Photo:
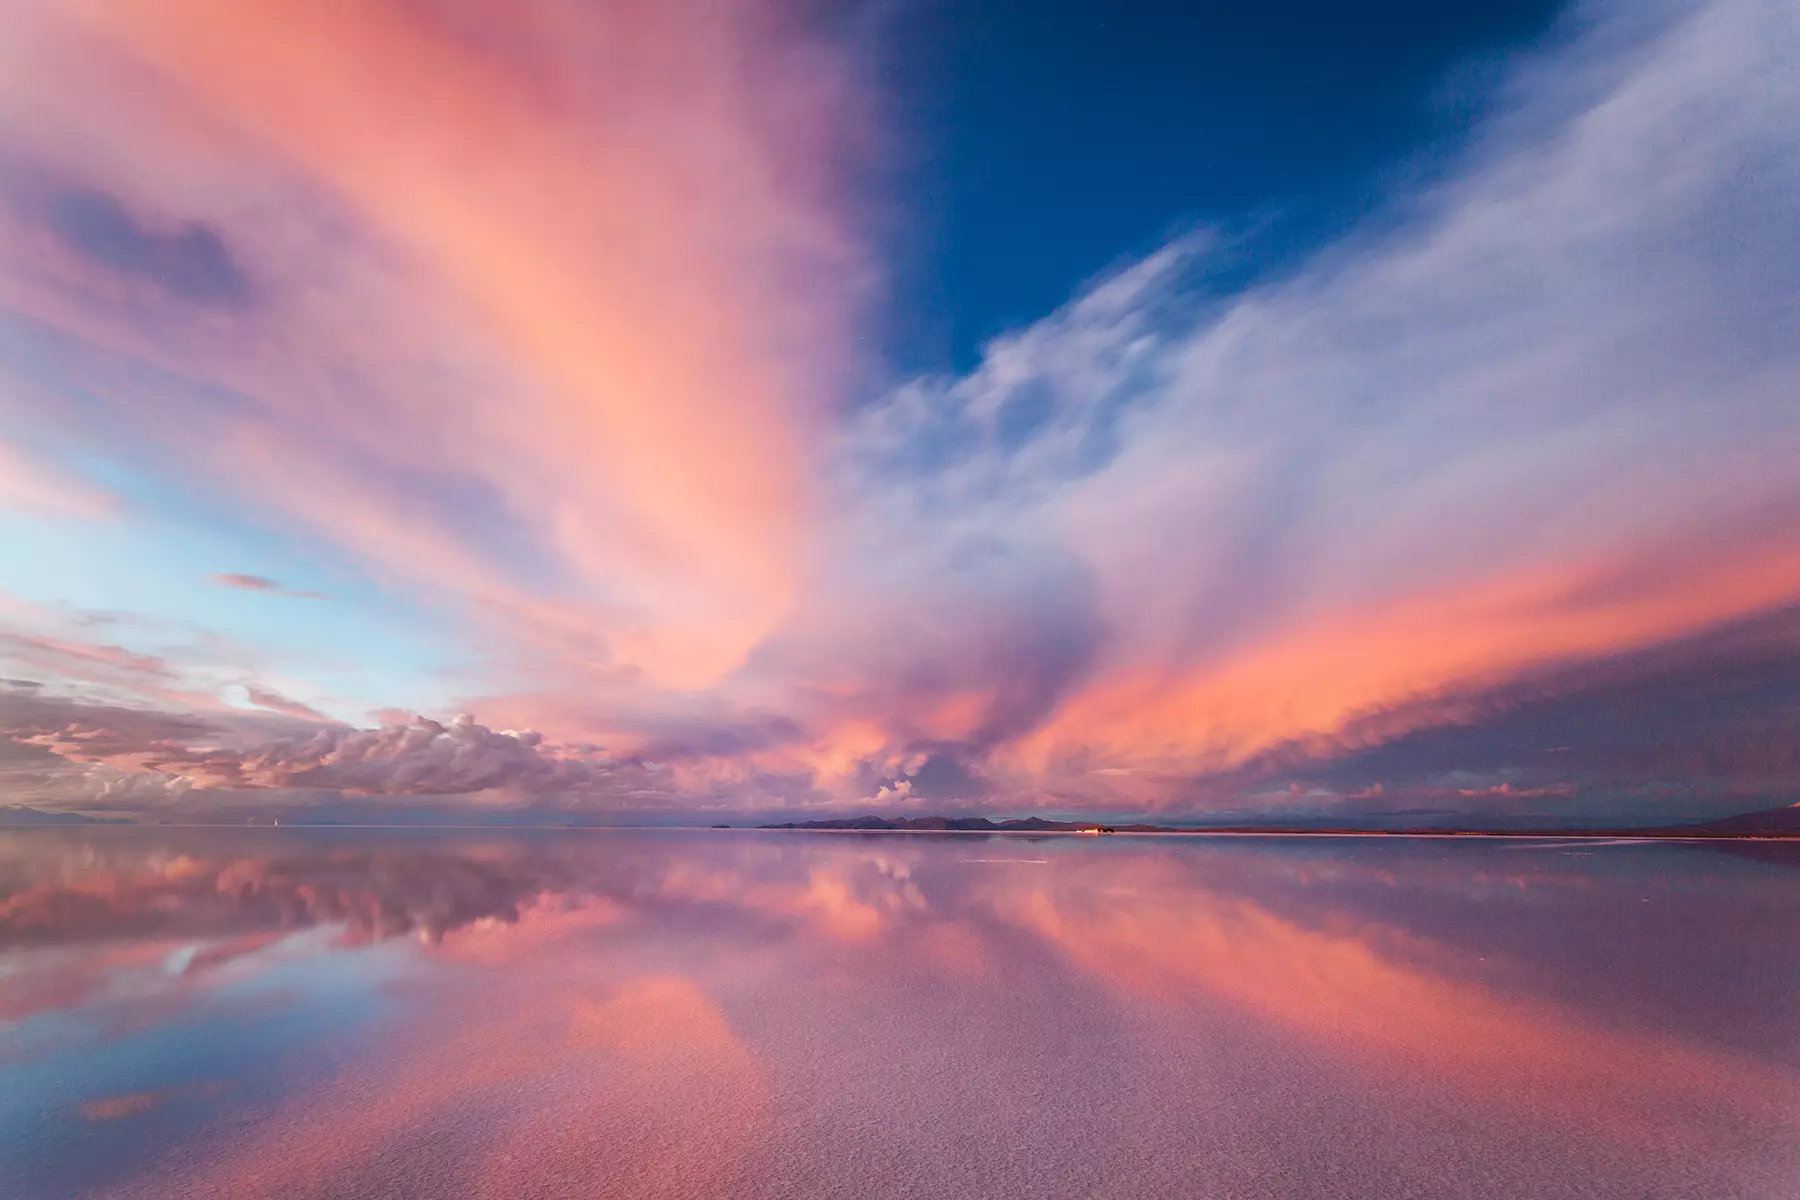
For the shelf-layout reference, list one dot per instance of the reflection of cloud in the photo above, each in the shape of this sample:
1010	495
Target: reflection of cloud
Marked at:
60	892
830	897
1364	992
135	981
681	1114
129	1104
111	1108
851	897
374	893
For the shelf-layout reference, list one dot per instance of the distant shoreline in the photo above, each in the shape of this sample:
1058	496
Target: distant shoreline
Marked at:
1782	824
1610	835
1764	825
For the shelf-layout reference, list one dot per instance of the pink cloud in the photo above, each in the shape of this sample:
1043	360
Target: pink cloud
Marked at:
627	326
274	701
261	583
93	662
423	758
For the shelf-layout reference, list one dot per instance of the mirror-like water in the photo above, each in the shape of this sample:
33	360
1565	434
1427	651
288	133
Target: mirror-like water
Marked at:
737	1014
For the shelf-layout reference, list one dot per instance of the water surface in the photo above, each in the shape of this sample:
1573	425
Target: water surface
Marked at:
322	1013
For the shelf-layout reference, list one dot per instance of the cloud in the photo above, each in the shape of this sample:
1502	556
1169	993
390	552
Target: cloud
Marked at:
424	758
899	792
274	701
181	676
92	662
261	583
578	389
289	749
190	263
249	583
75	754
29	483
1710	722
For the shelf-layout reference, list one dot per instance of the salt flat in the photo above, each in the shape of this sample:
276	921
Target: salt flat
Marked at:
292	1013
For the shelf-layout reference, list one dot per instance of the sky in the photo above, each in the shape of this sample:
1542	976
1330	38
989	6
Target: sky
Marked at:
634	410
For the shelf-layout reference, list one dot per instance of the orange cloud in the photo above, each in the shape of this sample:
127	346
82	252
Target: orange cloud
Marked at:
1312	678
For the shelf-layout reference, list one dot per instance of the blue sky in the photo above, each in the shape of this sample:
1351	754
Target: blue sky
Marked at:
1053	142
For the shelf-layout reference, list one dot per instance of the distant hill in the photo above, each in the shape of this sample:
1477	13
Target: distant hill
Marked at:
18	814
970	825
1767	822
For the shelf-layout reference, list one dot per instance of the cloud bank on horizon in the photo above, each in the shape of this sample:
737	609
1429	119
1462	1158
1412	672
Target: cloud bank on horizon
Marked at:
360	361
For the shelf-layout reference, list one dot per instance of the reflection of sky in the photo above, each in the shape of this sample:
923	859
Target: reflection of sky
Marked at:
692	1014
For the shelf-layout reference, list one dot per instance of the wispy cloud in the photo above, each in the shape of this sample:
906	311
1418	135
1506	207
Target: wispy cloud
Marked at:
578	388
274	701
30	483
261	583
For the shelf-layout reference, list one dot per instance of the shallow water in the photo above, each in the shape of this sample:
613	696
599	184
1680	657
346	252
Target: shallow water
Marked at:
292	1012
